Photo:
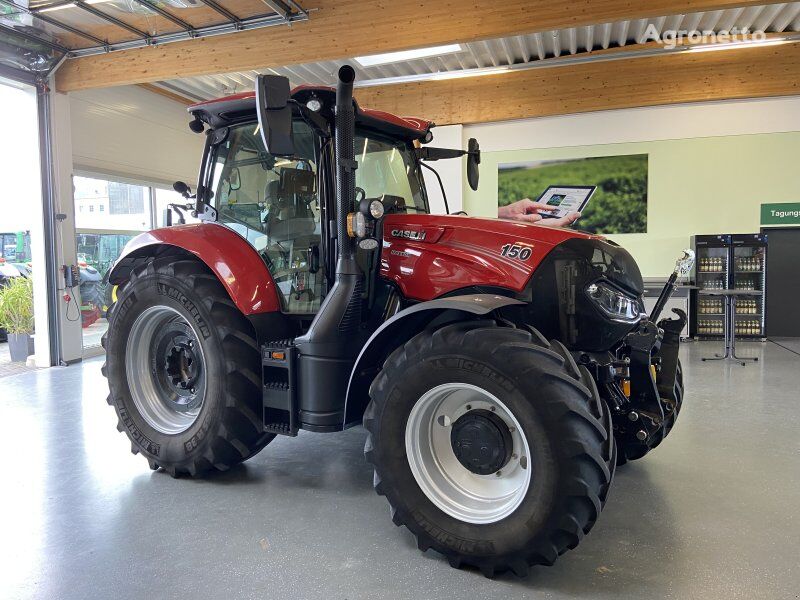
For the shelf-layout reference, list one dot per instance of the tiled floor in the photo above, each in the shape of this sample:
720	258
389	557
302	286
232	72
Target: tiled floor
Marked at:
10	368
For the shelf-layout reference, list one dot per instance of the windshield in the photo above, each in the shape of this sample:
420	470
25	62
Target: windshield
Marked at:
387	169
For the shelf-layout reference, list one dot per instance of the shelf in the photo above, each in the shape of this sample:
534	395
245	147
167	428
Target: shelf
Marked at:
710	314
712	272
759	272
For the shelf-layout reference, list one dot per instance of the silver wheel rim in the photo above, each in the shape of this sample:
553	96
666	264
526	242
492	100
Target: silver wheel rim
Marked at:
447	483
156	371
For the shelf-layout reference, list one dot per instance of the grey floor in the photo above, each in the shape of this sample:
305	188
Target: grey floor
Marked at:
712	513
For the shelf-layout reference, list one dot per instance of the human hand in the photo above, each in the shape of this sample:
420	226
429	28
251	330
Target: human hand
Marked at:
529	211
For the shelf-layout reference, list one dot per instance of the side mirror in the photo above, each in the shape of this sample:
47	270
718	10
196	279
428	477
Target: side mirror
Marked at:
182	188
275	114
234	179
473	160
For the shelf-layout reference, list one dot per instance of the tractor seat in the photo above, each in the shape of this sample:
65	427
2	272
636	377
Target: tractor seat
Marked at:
291	228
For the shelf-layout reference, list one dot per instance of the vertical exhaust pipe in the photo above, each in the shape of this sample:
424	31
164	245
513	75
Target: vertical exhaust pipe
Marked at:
344	143
340	313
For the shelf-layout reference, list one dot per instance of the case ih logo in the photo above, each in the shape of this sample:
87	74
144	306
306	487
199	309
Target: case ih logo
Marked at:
409	234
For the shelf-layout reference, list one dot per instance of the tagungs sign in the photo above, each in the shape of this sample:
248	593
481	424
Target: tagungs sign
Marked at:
786	213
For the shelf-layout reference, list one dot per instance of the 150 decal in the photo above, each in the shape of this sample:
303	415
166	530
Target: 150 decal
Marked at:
516	251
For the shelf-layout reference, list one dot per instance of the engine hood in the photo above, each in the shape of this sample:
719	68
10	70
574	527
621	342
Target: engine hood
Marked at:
428	256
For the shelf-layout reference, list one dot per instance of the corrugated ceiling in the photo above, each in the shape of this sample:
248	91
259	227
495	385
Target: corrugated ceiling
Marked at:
517	50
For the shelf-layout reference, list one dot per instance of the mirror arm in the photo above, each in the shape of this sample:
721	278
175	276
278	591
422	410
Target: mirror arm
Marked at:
428	153
314	120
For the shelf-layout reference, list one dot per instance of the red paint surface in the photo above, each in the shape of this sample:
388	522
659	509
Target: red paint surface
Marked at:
235	262
460	251
414	123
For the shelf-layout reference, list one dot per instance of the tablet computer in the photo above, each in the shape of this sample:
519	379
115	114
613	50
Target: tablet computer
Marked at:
567	199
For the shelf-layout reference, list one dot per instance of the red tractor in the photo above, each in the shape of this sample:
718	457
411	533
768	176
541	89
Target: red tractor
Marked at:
502	370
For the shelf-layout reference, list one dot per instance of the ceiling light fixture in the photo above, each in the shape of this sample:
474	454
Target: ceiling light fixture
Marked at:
738	44
57	7
393	57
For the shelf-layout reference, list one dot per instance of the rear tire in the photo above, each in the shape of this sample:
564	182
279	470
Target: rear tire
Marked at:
563	421
174	325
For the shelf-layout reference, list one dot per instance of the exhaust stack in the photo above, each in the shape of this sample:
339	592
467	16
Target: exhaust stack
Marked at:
340	313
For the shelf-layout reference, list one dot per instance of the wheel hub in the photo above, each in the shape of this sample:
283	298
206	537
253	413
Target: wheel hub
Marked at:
178	366
165	368
181	365
468	453
481	442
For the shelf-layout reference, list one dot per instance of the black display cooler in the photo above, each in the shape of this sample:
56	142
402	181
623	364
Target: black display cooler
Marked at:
729	262
749	272
711	273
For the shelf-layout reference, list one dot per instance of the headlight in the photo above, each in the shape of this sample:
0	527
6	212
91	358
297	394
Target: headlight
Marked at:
614	303
356	225
368	243
376	209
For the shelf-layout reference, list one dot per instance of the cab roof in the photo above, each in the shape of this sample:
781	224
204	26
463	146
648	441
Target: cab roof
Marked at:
242	107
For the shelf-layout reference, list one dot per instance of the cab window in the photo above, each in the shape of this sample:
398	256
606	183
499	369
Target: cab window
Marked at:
273	203
387	169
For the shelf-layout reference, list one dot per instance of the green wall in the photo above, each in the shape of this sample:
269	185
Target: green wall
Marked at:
695	186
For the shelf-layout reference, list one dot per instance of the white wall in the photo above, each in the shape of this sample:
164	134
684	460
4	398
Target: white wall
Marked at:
135	133
682	121
711	165
61	140
451	171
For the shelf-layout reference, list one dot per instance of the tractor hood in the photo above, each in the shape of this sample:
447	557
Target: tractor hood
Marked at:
428	256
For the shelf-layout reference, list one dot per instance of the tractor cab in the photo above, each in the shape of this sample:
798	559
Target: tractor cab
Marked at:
283	204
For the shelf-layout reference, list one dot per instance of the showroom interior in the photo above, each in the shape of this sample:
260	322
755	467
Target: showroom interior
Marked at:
320	262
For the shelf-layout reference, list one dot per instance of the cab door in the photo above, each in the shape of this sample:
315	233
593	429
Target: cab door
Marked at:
274	203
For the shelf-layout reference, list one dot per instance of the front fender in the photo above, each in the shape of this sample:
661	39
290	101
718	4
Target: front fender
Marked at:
235	262
397	330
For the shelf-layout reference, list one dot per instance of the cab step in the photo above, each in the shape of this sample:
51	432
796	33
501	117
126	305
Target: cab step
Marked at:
280	414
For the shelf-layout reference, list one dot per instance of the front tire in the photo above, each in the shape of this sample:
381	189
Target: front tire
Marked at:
183	369
531	457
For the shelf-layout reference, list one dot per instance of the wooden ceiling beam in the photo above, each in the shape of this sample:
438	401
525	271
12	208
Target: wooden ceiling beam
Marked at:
673	78
340	29
167	94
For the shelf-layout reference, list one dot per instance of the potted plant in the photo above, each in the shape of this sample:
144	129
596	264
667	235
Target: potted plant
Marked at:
16	315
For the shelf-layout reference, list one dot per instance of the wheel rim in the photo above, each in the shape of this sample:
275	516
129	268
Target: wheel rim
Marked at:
457	490
166	369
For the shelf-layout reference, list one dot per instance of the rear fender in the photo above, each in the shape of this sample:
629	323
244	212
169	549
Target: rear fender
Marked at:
397	330
234	261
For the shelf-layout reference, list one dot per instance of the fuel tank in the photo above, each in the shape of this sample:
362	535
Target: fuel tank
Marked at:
428	256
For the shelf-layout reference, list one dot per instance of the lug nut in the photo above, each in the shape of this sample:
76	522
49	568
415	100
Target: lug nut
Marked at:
641	435
633	416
